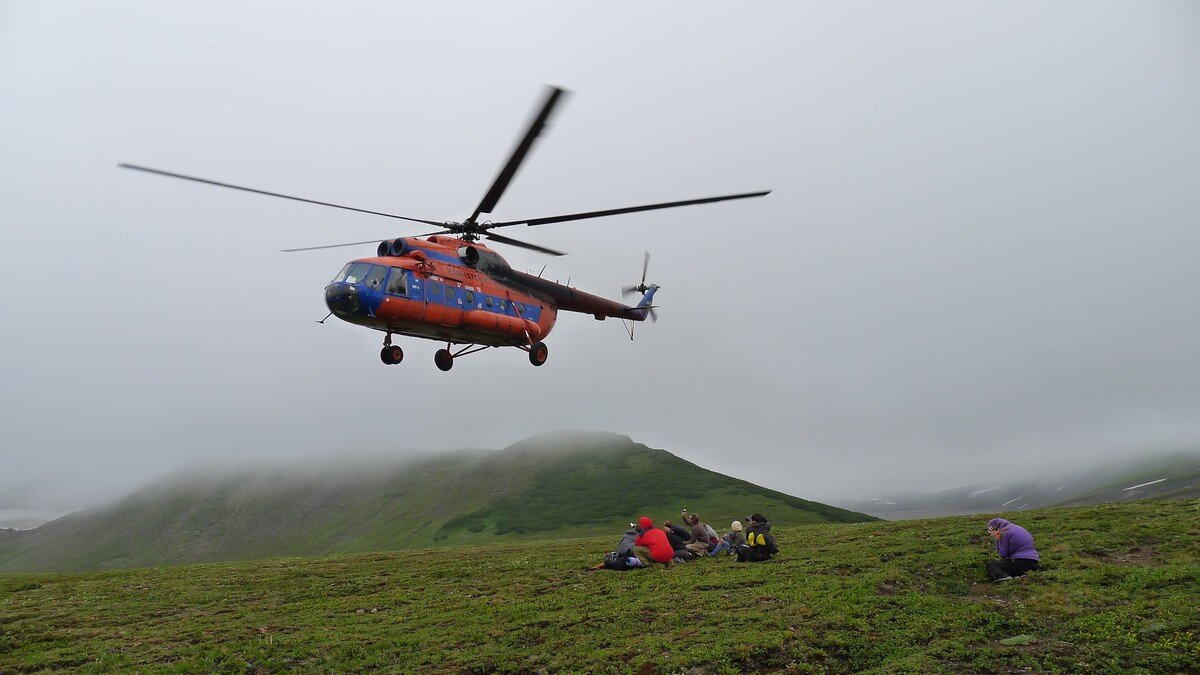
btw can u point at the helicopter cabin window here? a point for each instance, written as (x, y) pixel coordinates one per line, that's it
(375, 276)
(470, 297)
(433, 291)
(341, 276)
(489, 301)
(450, 295)
(357, 272)
(397, 282)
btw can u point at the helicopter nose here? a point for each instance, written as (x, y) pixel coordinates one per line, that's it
(341, 298)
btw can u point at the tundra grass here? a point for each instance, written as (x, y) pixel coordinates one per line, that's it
(1118, 592)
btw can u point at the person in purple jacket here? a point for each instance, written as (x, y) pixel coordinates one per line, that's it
(1015, 546)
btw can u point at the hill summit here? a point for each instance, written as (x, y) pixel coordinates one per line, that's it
(555, 485)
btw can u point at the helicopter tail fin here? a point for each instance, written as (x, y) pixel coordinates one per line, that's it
(646, 307)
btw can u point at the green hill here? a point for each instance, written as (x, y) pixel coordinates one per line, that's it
(556, 485)
(1117, 594)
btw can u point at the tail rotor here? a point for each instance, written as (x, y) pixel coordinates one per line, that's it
(645, 309)
(641, 287)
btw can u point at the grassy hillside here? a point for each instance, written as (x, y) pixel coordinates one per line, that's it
(565, 484)
(1117, 594)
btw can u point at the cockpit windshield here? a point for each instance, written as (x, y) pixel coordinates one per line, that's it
(358, 272)
(353, 273)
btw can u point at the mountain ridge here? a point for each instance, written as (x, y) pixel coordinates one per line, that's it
(549, 486)
(1174, 475)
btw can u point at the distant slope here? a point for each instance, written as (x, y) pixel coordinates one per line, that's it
(549, 486)
(1169, 476)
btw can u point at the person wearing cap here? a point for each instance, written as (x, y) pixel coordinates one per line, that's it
(760, 545)
(730, 541)
(1015, 546)
(652, 544)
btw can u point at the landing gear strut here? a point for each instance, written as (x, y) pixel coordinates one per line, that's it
(444, 358)
(390, 354)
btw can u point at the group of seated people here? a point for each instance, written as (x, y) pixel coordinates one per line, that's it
(645, 544)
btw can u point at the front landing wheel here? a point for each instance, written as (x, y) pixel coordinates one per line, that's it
(538, 353)
(391, 355)
(444, 359)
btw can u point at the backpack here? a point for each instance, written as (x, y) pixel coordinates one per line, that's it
(615, 561)
(759, 546)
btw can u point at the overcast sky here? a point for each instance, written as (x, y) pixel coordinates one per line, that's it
(980, 256)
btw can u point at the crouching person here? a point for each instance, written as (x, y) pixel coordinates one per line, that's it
(1015, 546)
(760, 545)
(652, 546)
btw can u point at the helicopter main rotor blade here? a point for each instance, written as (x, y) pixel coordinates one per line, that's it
(313, 248)
(355, 243)
(515, 242)
(514, 162)
(274, 194)
(629, 209)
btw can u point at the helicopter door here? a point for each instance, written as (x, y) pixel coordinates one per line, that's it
(443, 304)
(433, 302)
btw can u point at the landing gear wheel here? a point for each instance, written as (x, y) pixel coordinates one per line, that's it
(538, 353)
(391, 355)
(444, 359)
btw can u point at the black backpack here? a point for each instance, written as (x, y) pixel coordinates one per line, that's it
(615, 561)
(759, 546)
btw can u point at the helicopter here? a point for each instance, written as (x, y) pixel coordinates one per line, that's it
(448, 287)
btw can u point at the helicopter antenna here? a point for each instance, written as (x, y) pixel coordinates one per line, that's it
(628, 327)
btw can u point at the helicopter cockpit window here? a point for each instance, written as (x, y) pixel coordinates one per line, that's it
(375, 276)
(397, 282)
(357, 272)
(341, 276)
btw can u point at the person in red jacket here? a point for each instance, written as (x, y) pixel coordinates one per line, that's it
(652, 544)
